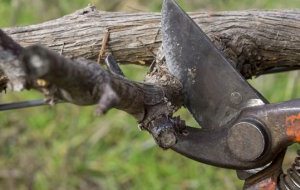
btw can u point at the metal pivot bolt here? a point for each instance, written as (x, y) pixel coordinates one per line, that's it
(246, 140)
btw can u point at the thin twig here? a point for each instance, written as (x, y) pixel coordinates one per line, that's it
(103, 44)
(156, 35)
(62, 48)
(150, 50)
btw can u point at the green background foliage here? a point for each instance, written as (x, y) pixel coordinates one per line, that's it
(67, 147)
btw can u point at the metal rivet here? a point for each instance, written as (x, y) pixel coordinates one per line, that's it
(246, 141)
(236, 98)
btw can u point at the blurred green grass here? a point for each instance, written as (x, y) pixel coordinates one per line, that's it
(68, 147)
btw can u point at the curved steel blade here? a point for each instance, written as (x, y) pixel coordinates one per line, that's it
(214, 92)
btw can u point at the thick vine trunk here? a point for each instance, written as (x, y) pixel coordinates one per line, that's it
(84, 82)
(255, 40)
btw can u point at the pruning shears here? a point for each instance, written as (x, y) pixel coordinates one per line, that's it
(239, 128)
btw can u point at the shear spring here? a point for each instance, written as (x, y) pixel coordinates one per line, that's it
(291, 180)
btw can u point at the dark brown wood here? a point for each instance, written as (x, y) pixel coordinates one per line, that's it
(9, 62)
(255, 40)
(83, 82)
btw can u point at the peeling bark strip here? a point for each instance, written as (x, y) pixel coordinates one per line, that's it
(255, 40)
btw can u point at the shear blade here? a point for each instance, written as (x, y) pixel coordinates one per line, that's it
(214, 92)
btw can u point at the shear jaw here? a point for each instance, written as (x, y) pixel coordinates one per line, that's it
(203, 71)
(215, 103)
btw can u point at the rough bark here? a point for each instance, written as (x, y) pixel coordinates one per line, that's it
(255, 41)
